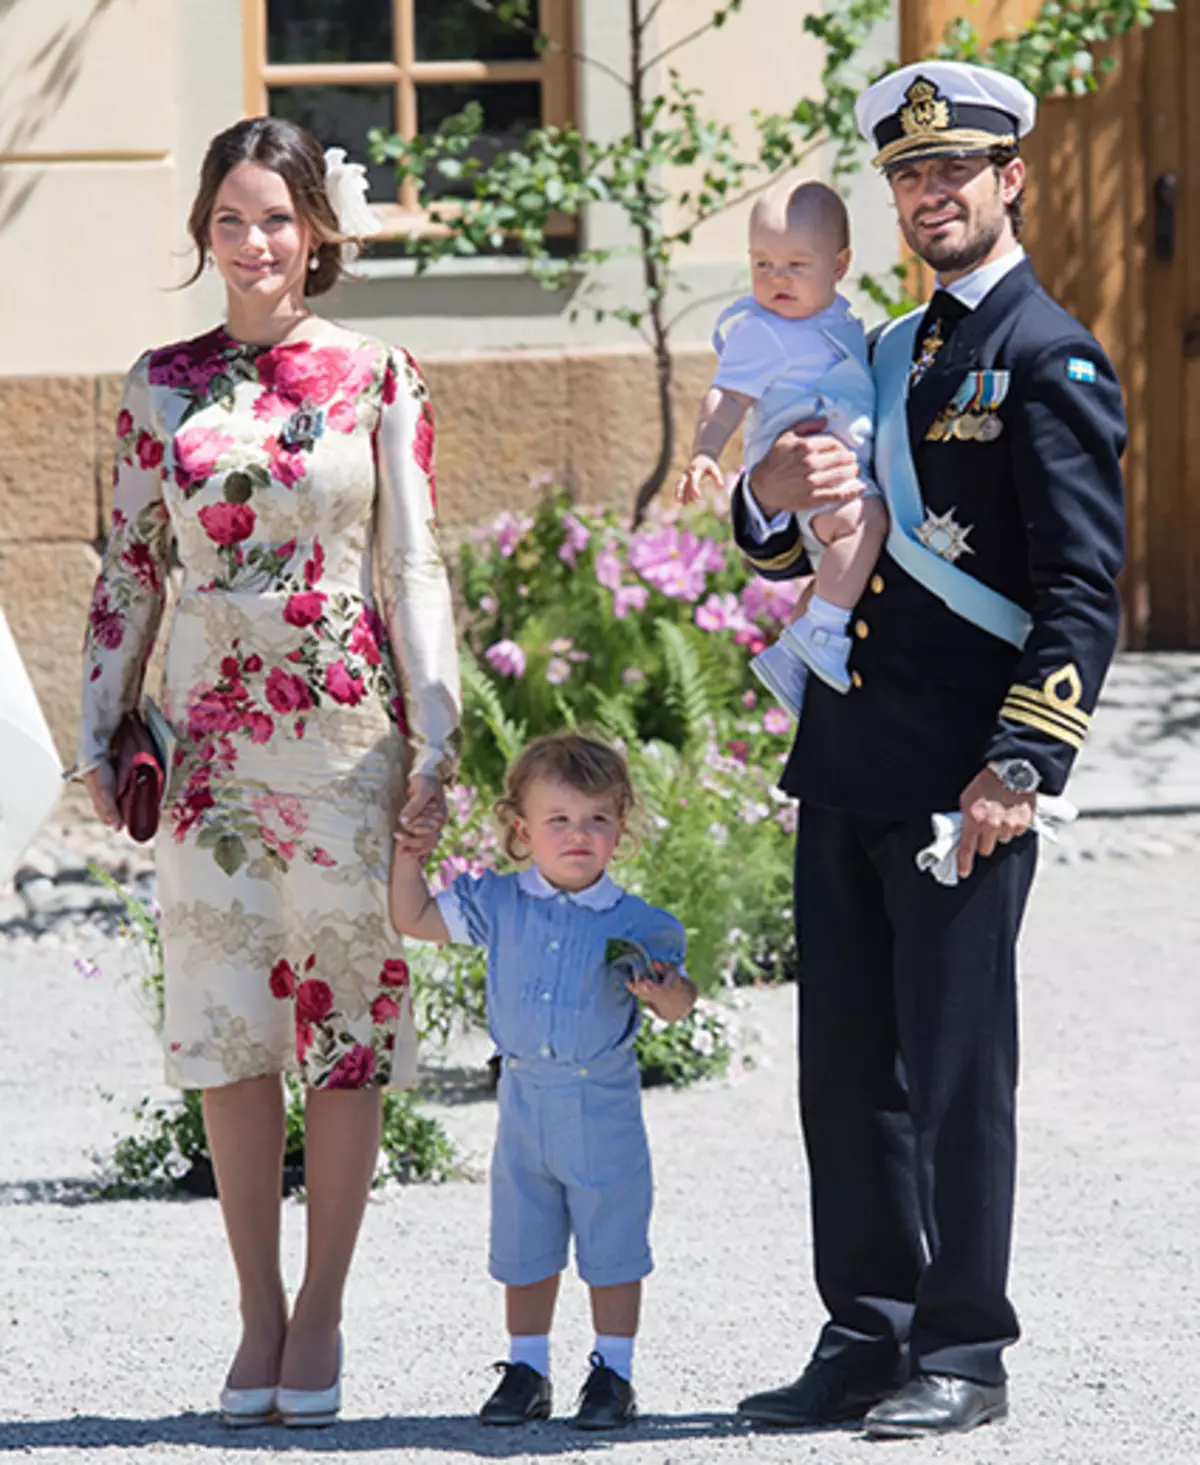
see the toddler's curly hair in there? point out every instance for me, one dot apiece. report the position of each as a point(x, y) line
point(573, 758)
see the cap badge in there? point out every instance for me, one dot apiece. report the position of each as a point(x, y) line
point(925, 110)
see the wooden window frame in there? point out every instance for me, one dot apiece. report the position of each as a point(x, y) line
point(405, 73)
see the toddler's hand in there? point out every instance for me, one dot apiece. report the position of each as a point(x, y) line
point(690, 488)
point(670, 999)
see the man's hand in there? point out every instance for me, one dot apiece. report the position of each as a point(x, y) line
point(992, 815)
point(805, 469)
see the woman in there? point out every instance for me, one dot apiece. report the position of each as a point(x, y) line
point(290, 461)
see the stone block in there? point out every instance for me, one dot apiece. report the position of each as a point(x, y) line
point(108, 404)
point(47, 469)
point(45, 590)
point(503, 432)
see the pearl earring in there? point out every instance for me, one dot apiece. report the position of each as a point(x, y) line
point(209, 262)
point(314, 262)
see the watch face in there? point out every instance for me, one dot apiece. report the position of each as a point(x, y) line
point(1019, 776)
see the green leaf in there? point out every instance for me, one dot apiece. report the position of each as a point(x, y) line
point(238, 487)
point(230, 853)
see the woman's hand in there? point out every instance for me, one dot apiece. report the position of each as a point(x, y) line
point(101, 784)
point(423, 817)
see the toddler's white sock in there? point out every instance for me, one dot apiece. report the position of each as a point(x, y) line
point(825, 613)
point(532, 1349)
point(617, 1354)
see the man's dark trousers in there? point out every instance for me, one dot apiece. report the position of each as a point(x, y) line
point(908, 1070)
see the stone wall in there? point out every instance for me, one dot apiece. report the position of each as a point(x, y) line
point(505, 425)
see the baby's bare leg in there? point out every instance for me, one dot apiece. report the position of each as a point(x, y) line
point(853, 534)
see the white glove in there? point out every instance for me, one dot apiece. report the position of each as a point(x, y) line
point(939, 858)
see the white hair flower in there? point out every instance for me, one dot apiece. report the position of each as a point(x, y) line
point(346, 185)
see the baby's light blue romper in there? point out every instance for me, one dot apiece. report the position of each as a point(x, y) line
point(571, 1155)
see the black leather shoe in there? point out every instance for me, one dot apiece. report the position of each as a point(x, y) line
point(936, 1403)
point(825, 1394)
point(521, 1395)
point(606, 1401)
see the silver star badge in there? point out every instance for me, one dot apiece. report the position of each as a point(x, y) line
point(944, 535)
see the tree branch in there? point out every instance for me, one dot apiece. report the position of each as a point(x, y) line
point(648, 19)
point(557, 47)
point(695, 305)
point(732, 203)
point(676, 46)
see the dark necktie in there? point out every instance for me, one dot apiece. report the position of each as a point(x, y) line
point(941, 316)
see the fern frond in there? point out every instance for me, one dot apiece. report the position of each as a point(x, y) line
point(481, 696)
point(689, 690)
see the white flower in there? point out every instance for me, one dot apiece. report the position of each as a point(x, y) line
point(703, 1042)
point(718, 834)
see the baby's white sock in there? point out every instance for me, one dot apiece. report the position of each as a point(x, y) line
point(532, 1349)
point(825, 613)
point(617, 1354)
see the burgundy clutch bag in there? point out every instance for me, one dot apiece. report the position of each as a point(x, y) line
point(140, 777)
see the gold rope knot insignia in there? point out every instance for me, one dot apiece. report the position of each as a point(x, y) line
point(1064, 686)
point(925, 110)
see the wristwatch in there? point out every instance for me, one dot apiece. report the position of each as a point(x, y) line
point(1018, 775)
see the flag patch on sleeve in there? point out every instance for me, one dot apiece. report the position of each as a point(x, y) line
point(1079, 369)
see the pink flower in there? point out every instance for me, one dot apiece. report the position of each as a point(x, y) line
point(384, 1008)
point(196, 452)
point(342, 417)
point(627, 598)
point(509, 530)
point(506, 658)
point(739, 750)
point(775, 721)
point(341, 686)
point(286, 464)
point(210, 711)
point(423, 440)
point(721, 613)
point(364, 638)
point(323, 858)
point(283, 979)
point(124, 422)
point(287, 692)
point(141, 562)
point(749, 700)
point(314, 1000)
point(674, 562)
point(352, 1071)
point(557, 670)
point(227, 523)
point(107, 624)
point(304, 609)
point(399, 715)
point(282, 818)
point(252, 664)
point(304, 1037)
point(609, 569)
point(149, 451)
point(314, 567)
point(260, 727)
point(770, 600)
point(388, 387)
point(189, 367)
point(575, 540)
point(395, 973)
point(299, 374)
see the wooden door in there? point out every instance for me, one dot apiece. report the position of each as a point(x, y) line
point(1097, 167)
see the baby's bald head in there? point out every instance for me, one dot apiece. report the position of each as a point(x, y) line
point(799, 249)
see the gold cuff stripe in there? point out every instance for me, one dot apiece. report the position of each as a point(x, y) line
point(1045, 718)
point(1033, 719)
point(951, 139)
point(1037, 701)
point(780, 561)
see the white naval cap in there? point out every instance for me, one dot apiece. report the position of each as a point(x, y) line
point(935, 109)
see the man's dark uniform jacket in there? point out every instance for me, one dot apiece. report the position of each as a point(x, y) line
point(934, 697)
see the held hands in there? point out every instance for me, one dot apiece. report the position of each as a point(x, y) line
point(805, 469)
point(671, 999)
point(992, 815)
point(101, 784)
point(690, 488)
point(423, 817)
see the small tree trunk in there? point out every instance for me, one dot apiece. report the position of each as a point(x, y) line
point(654, 285)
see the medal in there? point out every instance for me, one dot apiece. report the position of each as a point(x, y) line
point(967, 427)
point(990, 428)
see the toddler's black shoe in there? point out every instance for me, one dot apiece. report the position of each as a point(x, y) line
point(521, 1395)
point(606, 1400)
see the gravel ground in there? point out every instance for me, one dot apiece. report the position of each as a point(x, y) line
point(118, 1318)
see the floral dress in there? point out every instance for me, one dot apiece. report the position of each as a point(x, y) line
point(312, 637)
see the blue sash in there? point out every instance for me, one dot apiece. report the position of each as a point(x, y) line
point(897, 475)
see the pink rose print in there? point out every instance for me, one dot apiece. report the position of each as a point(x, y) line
point(423, 439)
point(287, 692)
point(211, 711)
point(252, 664)
point(227, 523)
point(364, 638)
point(140, 562)
point(314, 1000)
point(281, 821)
point(342, 417)
point(388, 390)
point(314, 567)
point(302, 375)
point(283, 979)
point(353, 1071)
point(394, 973)
point(189, 367)
point(341, 686)
point(304, 1037)
point(149, 451)
point(108, 625)
point(400, 715)
point(304, 609)
point(259, 726)
point(124, 422)
point(384, 1008)
point(196, 452)
point(323, 858)
point(287, 464)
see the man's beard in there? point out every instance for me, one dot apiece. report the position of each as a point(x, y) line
point(946, 258)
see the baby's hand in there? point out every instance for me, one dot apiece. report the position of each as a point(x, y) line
point(671, 998)
point(690, 488)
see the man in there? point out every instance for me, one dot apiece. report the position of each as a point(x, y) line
point(979, 651)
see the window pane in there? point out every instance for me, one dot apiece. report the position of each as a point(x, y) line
point(457, 30)
point(301, 31)
point(511, 111)
point(340, 116)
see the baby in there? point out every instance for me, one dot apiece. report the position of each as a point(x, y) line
point(570, 958)
point(792, 352)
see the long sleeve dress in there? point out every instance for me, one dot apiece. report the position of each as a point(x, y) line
point(313, 638)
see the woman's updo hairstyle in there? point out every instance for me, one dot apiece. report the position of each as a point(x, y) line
point(296, 155)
